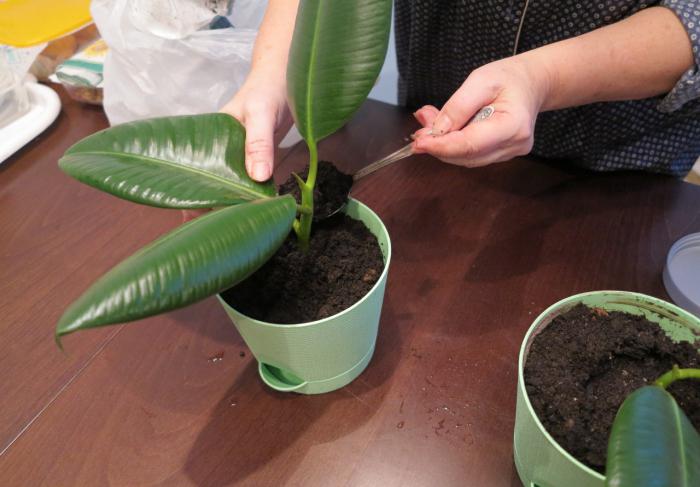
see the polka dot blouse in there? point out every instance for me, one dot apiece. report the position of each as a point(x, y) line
point(439, 42)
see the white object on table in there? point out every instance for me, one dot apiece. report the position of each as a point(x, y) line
point(44, 107)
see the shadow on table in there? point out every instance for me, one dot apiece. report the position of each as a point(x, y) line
point(515, 479)
point(535, 213)
point(208, 319)
point(539, 233)
point(476, 238)
point(254, 429)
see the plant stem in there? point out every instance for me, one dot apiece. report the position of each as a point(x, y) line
point(302, 210)
point(303, 229)
point(676, 374)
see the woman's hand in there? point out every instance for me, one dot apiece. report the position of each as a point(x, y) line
point(513, 87)
point(639, 57)
point(261, 103)
point(261, 106)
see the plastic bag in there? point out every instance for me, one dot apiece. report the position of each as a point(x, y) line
point(163, 65)
point(14, 97)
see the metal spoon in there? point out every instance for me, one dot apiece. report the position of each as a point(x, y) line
point(407, 150)
point(403, 153)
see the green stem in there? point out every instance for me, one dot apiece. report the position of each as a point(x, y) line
point(302, 210)
point(676, 374)
point(313, 167)
point(303, 229)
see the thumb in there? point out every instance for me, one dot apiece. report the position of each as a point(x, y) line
point(259, 145)
point(462, 106)
point(426, 115)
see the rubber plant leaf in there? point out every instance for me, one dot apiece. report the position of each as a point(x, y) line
point(337, 51)
point(200, 258)
point(652, 443)
point(194, 161)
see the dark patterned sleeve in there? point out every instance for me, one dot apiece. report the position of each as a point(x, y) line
point(688, 86)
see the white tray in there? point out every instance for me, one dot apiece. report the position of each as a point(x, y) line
point(44, 108)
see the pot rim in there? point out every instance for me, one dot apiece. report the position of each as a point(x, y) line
point(545, 318)
point(382, 278)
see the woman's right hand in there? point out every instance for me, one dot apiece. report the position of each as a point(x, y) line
point(261, 106)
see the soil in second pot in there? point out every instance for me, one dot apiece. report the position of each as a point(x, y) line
point(583, 365)
point(330, 193)
point(343, 263)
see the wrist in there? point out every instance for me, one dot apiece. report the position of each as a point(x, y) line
point(267, 74)
point(270, 81)
point(542, 77)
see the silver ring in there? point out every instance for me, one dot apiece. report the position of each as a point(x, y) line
point(483, 114)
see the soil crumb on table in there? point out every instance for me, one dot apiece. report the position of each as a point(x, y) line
point(587, 361)
point(343, 263)
point(330, 193)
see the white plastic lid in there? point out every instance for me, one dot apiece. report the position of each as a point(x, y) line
point(682, 273)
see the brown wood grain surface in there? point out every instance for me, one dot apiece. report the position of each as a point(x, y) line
point(477, 255)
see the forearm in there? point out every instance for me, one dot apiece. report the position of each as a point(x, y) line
point(639, 57)
point(274, 37)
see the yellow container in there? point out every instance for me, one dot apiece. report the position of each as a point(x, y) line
point(25, 23)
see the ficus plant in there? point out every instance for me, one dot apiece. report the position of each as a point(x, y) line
point(652, 442)
point(197, 161)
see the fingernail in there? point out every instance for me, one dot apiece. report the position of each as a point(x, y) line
point(418, 117)
point(441, 125)
point(261, 171)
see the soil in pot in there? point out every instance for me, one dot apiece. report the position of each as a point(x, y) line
point(330, 193)
point(587, 361)
point(341, 266)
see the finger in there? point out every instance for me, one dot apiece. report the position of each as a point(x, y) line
point(463, 105)
point(500, 155)
point(424, 132)
point(259, 144)
point(474, 140)
point(426, 115)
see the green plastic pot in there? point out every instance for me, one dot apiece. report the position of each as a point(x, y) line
point(323, 355)
point(540, 461)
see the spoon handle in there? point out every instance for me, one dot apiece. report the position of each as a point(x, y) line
point(402, 153)
point(407, 150)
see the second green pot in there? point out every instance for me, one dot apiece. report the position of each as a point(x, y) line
point(539, 459)
point(324, 355)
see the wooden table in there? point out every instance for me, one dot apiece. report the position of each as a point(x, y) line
point(477, 255)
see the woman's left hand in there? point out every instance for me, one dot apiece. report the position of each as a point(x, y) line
point(515, 88)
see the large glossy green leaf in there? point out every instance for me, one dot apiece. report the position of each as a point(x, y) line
point(198, 259)
point(194, 161)
point(337, 52)
point(652, 443)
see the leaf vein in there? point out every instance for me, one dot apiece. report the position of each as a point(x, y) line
point(226, 182)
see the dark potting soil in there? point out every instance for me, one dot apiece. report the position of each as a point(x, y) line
point(330, 192)
point(342, 264)
point(587, 361)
